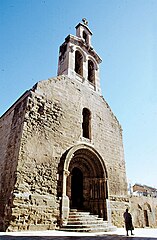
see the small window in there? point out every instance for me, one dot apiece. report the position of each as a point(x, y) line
point(91, 72)
point(85, 37)
point(86, 125)
point(78, 63)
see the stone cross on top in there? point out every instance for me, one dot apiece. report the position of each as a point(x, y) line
point(84, 20)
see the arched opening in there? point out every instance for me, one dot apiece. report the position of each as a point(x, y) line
point(76, 188)
point(91, 72)
point(148, 207)
point(85, 36)
point(82, 166)
point(86, 124)
point(78, 63)
point(86, 185)
point(146, 218)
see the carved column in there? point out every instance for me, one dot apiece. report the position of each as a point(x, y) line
point(65, 199)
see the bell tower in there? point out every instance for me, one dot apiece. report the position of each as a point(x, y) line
point(78, 59)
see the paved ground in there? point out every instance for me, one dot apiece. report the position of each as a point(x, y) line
point(145, 234)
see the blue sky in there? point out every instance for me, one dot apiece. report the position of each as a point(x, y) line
point(124, 35)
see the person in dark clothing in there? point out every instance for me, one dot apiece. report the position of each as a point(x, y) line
point(128, 222)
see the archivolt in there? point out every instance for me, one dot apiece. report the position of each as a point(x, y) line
point(77, 48)
point(90, 159)
point(93, 60)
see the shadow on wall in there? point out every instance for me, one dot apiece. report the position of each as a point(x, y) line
point(10, 161)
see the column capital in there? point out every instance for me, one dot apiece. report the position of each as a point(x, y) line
point(66, 172)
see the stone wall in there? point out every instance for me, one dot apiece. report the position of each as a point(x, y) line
point(10, 131)
point(52, 124)
point(144, 211)
point(36, 205)
point(106, 131)
point(118, 206)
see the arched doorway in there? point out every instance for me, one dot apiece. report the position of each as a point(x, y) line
point(76, 189)
point(84, 182)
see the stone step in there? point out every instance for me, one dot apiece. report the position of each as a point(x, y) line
point(90, 229)
point(77, 222)
point(79, 214)
point(84, 225)
point(83, 218)
point(80, 221)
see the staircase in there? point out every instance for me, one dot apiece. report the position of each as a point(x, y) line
point(79, 221)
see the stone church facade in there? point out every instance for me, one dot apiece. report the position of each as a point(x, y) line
point(62, 147)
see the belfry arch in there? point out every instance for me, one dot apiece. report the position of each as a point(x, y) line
point(78, 63)
point(84, 170)
point(91, 72)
